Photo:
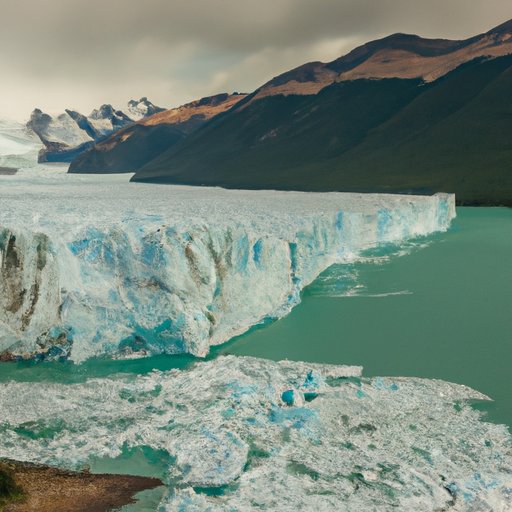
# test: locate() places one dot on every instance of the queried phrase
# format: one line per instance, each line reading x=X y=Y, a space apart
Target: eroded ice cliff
x=88 y=268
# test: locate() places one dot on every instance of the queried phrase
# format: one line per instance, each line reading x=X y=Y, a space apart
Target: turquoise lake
x=443 y=311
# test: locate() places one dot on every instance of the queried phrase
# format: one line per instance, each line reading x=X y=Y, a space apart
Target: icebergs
x=231 y=443
x=107 y=266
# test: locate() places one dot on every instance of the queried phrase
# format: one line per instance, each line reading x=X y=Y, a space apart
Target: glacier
x=94 y=266
x=239 y=433
x=18 y=145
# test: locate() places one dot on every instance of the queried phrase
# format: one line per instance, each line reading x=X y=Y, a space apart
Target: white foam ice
x=241 y=434
x=109 y=266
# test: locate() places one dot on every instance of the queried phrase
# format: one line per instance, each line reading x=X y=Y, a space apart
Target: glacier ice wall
x=92 y=267
x=249 y=434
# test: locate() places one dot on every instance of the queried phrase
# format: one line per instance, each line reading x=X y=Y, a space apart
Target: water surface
x=443 y=311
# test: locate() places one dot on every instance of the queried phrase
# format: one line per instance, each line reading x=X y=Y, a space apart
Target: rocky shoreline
x=28 y=487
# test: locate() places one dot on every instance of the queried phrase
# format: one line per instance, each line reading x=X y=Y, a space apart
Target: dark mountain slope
x=391 y=135
x=455 y=137
x=129 y=149
x=279 y=133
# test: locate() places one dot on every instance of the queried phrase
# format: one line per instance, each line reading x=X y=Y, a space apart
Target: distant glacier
x=91 y=268
x=18 y=145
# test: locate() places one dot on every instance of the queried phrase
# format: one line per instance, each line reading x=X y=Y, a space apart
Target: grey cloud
x=172 y=50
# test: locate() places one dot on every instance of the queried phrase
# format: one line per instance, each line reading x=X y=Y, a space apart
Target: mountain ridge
x=387 y=50
x=67 y=135
x=132 y=147
x=344 y=138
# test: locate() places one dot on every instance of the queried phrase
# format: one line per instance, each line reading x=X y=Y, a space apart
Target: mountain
x=132 y=147
x=137 y=110
x=402 y=114
x=69 y=134
x=395 y=56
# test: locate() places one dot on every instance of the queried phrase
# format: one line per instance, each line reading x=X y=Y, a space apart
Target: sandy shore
x=46 y=489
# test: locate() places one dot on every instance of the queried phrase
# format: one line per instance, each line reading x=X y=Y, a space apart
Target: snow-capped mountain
x=132 y=147
x=70 y=133
x=142 y=108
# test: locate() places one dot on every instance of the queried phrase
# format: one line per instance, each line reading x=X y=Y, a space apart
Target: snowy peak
x=70 y=133
x=104 y=112
x=39 y=121
x=107 y=111
x=142 y=108
x=106 y=120
x=64 y=131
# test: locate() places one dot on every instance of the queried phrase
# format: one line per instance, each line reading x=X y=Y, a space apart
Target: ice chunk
x=218 y=458
x=407 y=444
x=288 y=397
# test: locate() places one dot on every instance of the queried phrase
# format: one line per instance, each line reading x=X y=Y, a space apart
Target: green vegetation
x=390 y=135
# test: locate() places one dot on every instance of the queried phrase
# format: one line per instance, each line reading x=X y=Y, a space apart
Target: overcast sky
x=78 y=54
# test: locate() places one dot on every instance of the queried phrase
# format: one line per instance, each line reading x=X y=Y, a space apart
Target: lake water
x=443 y=312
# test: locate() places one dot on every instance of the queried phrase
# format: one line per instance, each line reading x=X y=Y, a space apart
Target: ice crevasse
x=90 y=268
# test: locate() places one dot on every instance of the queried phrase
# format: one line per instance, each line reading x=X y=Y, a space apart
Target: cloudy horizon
x=75 y=54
